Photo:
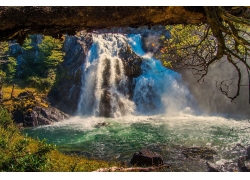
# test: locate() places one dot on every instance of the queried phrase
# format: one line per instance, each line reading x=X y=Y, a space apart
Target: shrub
x=5 y=118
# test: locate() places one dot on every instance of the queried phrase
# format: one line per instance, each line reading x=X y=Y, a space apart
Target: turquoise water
x=167 y=135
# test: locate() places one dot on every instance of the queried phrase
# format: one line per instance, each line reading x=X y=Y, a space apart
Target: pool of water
x=121 y=137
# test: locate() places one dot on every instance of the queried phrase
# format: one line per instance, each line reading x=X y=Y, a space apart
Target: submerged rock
x=146 y=157
x=103 y=124
x=212 y=168
x=242 y=166
x=202 y=152
x=243 y=162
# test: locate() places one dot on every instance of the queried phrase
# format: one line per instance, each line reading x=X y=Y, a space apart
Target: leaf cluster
x=197 y=47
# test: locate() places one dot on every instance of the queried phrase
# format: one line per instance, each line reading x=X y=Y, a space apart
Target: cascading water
x=143 y=118
x=104 y=83
x=103 y=80
x=158 y=89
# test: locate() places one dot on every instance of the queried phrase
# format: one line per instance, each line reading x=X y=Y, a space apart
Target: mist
x=210 y=99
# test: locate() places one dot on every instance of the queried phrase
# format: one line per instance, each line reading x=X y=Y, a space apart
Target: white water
x=157 y=89
x=104 y=52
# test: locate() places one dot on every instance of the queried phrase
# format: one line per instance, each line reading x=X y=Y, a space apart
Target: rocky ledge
x=39 y=116
x=30 y=109
x=19 y=21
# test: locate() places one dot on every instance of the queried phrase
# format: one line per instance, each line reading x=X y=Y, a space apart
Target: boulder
x=242 y=165
x=38 y=116
x=242 y=161
x=146 y=157
x=212 y=168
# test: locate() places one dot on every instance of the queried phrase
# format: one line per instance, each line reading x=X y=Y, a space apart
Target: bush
x=22 y=160
x=5 y=118
x=41 y=84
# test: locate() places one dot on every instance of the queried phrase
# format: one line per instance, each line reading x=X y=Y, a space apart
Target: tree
x=8 y=63
x=42 y=54
x=197 y=47
x=7 y=66
x=49 y=56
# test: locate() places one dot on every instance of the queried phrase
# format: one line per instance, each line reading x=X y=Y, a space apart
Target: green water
x=163 y=134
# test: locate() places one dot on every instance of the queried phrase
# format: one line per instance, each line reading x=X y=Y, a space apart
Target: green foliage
x=20 y=153
x=9 y=69
x=2 y=76
x=7 y=64
x=4 y=48
x=49 y=56
x=5 y=119
x=187 y=42
x=22 y=160
x=27 y=46
x=42 y=84
x=41 y=61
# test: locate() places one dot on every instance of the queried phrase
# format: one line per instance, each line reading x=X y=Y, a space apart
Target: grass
x=17 y=90
x=23 y=105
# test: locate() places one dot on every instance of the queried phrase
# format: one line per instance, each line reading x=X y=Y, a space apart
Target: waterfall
x=104 y=90
x=158 y=89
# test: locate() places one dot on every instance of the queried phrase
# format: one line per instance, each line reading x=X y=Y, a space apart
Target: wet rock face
x=39 y=116
x=65 y=94
x=105 y=107
x=132 y=62
x=151 y=41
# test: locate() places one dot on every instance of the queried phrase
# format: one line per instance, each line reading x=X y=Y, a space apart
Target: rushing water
x=103 y=60
x=159 y=116
x=158 y=89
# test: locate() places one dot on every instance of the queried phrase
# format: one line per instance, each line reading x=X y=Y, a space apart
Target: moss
x=8 y=89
